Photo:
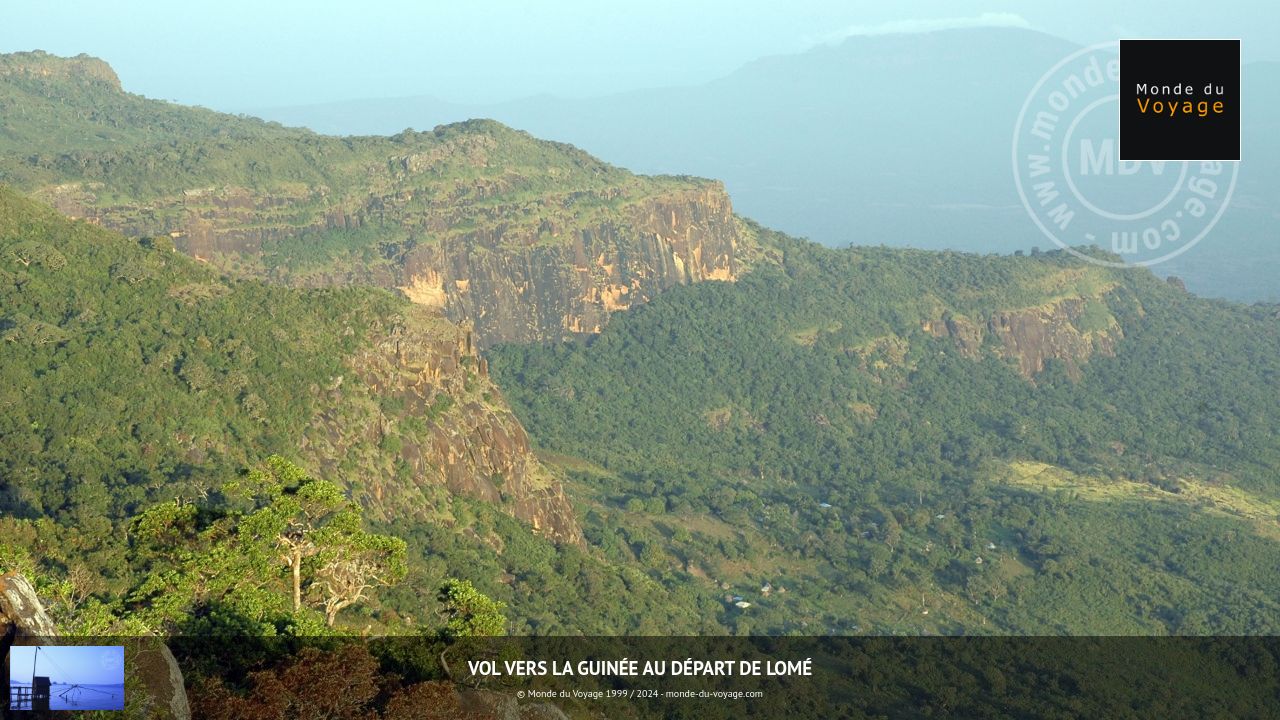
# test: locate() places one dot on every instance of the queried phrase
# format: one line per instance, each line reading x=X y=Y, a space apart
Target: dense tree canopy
x=802 y=428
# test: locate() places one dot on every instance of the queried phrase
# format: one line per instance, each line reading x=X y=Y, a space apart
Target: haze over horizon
x=708 y=360
x=778 y=105
x=240 y=56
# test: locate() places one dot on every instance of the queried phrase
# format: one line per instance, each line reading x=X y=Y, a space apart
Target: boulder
x=20 y=609
x=154 y=666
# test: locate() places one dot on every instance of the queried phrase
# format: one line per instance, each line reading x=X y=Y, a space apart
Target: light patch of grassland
x=1261 y=512
x=573 y=463
x=807 y=336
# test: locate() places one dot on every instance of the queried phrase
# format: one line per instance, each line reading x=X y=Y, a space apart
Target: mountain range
x=604 y=398
x=900 y=140
x=525 y=239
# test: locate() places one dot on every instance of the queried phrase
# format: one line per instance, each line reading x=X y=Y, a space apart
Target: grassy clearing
x=1261 y=512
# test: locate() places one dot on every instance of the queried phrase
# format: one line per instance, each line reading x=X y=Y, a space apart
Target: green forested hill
x=1012 y=444
x=127 y=366
x=524 y=238
x=837 y=439
x=863 y=440
x=132 y=377
x=69 y=120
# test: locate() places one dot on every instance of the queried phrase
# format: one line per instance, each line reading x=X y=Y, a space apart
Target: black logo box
x=1185 y=67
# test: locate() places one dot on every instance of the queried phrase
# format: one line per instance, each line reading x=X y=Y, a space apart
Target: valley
x=607 y=401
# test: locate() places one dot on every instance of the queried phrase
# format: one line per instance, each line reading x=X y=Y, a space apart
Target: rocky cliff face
x=42 y=66
x=515 y=281
x=528 y=240
x=386 y=397
x=1070 y=330
x=518 y=287
x=419 y=404
x=21 y=613
x=203 y=222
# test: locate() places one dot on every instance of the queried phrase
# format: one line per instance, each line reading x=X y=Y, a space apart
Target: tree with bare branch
x=352 y=562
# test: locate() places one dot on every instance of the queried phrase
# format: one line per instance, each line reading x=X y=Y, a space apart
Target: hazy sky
x=82 y=665
x=242 y=54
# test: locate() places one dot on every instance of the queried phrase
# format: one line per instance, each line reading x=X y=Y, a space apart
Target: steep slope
x=131 y=373
x=911 y=441
x=528 y=240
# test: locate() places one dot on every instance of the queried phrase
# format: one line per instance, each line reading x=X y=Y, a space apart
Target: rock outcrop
x=528 y=240
x=154 y=667
x=21 y=614
x=42 y=66
x=515 y=280
x=1037 y=335
x=1068 y=330
x=437 y=421
x=515 y=287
